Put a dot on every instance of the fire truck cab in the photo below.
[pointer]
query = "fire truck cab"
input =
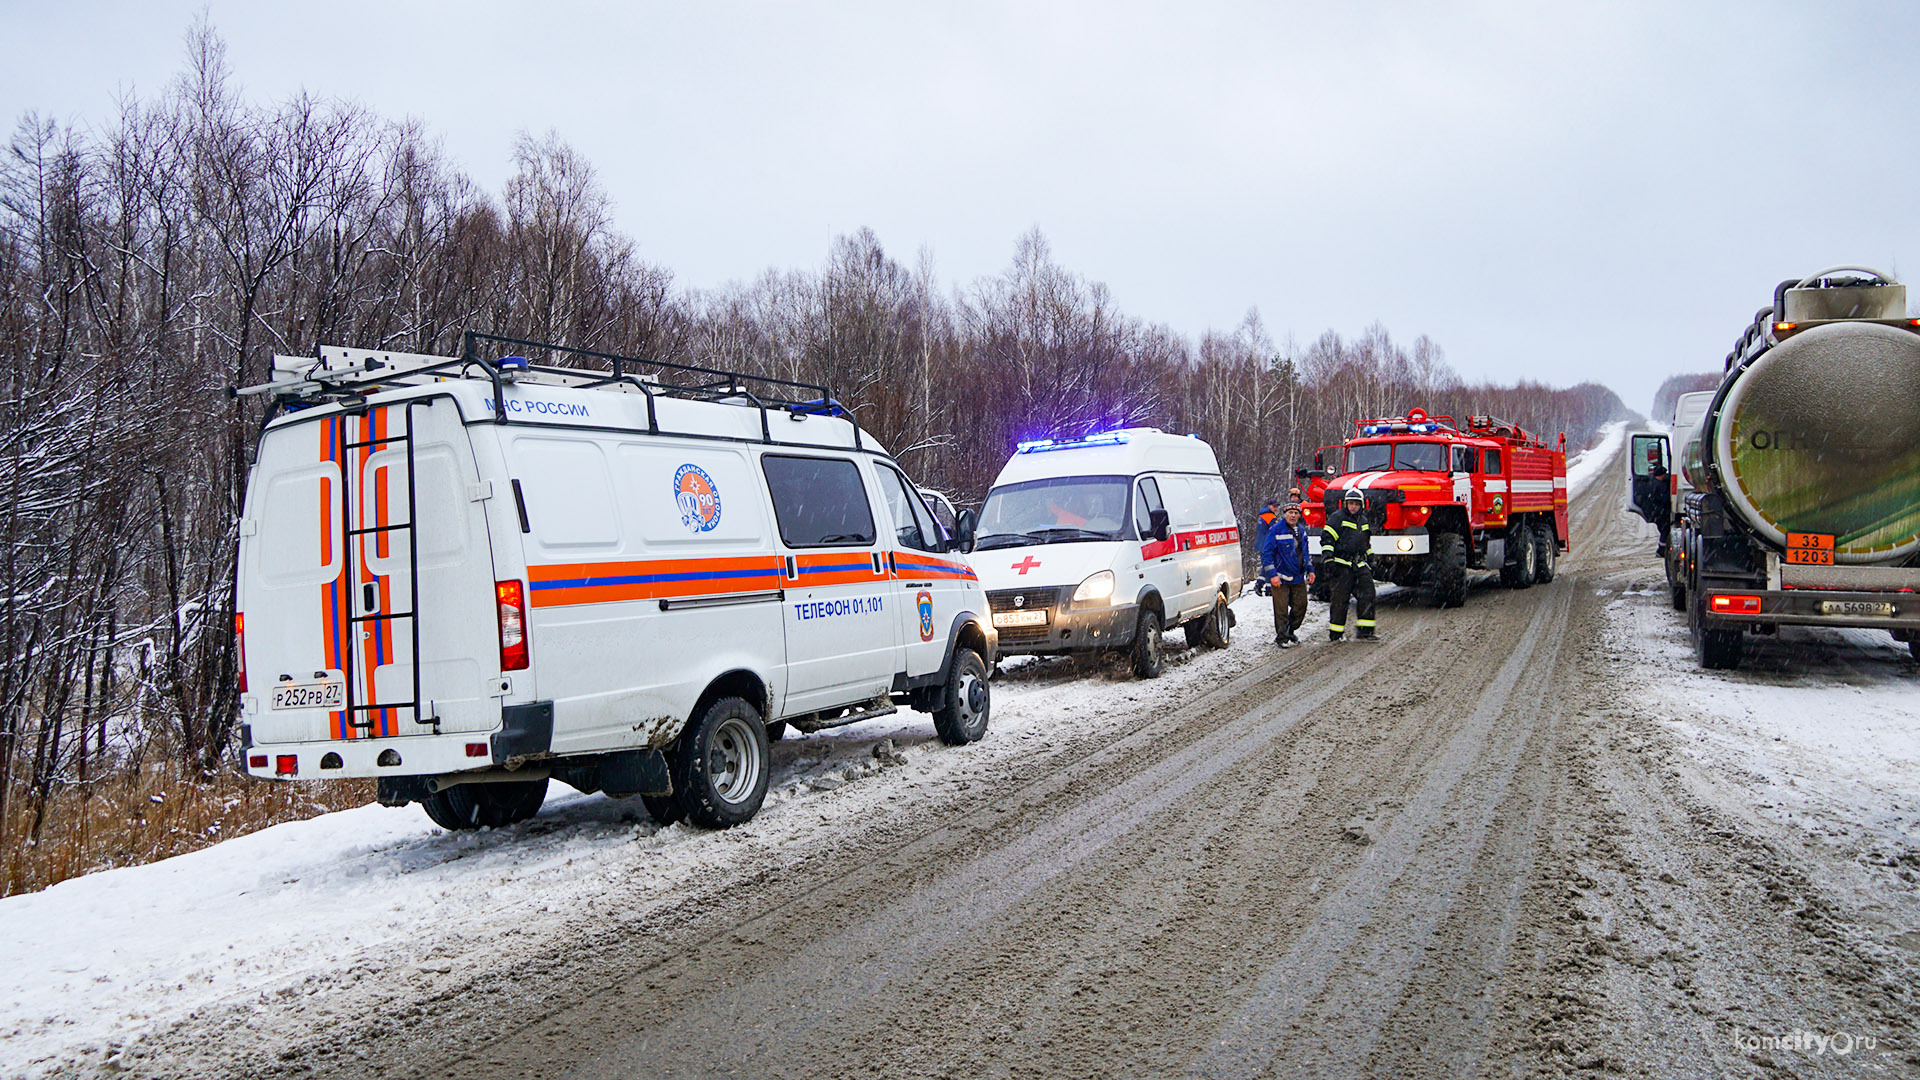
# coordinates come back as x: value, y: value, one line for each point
x: 1447, y: 500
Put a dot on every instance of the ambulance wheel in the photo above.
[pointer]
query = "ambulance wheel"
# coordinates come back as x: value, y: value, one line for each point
x: 1148, y: 652
x: 721, y: 764
x: 965, y: 701
x: 1216, y: 630
x: 1545, y: 547
x: 1518, y: 571
x: 1447, y: 570
x: 490, y: 806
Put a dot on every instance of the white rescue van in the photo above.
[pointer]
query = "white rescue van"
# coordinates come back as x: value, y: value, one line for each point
x: 465, y: 577
x: 1105, y: 541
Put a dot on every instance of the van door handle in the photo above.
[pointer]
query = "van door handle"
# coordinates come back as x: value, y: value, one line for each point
x: 371, y: 594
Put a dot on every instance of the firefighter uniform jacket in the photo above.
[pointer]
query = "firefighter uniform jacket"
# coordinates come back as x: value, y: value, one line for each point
x: 1346, y: 539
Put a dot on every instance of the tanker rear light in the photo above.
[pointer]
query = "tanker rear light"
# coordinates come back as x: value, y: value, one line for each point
x: 1722, y: 604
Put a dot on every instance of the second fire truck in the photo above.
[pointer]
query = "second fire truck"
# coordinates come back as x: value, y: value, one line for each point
x: 1490, y: 496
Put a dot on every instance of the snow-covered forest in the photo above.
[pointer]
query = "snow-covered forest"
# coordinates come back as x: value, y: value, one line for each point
x: 154, y: 258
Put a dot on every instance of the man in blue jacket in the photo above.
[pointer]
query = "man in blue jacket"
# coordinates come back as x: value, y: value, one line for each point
x: 1285, y: 565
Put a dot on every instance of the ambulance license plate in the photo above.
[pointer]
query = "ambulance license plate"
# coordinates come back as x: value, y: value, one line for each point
x: 1855, y: 607
x: 1020, y: 618
x: 331, y: 694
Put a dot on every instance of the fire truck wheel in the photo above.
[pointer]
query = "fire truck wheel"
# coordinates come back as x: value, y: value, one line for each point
x: 1545, y: 547
x: 1446, y: 570
x: 492, y: 806
x: 1518, y: 571
x: 721, y: 764
x: 965, y: 702
x: 1147, y: 650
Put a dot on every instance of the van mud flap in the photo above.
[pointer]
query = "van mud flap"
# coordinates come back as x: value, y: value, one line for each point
x: 525, y: 731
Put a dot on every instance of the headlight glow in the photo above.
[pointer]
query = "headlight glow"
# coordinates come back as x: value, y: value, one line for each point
x: 1097, y: 587
x: 1405, y: 543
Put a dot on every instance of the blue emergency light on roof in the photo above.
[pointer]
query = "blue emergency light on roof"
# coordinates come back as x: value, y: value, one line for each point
x: 512, y: 363
x: 1038, y: 446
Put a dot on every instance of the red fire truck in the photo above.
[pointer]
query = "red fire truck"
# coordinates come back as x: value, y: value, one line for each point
x: 1447, y: 500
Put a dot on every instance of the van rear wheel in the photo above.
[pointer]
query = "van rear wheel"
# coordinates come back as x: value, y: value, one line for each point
x: 721, y: 765
x: 966, y: 701
x: 490, y: 806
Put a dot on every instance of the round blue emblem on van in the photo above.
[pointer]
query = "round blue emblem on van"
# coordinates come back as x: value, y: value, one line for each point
x: 925, y: 602
x: 698, y: 497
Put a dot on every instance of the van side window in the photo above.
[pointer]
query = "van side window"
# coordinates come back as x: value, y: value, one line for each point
x: 1463, y: 458
x: 818, y: 502
x: 913, y: 524
x: 1493, y: 463
x: 1146, y: 499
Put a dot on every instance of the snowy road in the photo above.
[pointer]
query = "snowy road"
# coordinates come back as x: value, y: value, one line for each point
x: 1515, y: 838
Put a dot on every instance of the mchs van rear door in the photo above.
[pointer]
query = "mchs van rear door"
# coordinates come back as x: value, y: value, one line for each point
x: 366, y: 579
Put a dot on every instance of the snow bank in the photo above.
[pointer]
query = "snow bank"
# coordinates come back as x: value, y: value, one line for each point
x: 99, y: 959
x: 1587, y: 464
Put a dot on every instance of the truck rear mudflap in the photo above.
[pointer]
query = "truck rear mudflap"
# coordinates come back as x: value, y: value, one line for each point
x: 1813, y: 607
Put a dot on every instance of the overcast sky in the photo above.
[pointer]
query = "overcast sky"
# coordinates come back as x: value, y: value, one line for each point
x: 1553, y: 191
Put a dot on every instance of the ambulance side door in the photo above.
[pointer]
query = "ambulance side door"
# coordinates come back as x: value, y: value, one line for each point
x: 1159, y: 558
x: 843, y: 640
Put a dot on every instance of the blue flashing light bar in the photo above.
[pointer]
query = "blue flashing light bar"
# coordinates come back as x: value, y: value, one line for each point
x: 1040, y: 446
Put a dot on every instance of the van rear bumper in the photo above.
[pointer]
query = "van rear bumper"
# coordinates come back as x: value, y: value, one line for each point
x: 410, y: 755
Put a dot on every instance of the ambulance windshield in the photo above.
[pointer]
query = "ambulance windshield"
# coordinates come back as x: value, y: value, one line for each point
x: 1055, y: 510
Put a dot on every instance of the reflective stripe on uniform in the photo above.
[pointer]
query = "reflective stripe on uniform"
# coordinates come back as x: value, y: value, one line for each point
x: 1338, y: 629
x: 1364, y: 624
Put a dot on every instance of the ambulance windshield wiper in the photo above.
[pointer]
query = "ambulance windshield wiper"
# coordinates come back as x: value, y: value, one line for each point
x: 1048, y: 536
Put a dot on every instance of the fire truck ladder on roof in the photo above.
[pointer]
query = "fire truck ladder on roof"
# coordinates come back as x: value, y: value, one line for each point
x: 360, y: 715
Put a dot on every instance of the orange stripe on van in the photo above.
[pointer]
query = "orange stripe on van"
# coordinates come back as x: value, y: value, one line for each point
x: 562, y: 584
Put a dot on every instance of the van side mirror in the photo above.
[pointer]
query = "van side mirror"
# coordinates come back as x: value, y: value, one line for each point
x: 1303, y: 473
x: 963, y: 531
x: 1160, y: 524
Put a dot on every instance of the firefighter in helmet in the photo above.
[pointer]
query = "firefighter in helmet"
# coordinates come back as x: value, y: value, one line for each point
x: 1344, y: 544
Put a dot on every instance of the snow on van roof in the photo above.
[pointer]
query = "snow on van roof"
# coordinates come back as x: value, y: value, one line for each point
x: 1126, y: 451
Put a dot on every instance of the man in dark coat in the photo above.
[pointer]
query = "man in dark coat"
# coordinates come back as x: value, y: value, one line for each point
x: 1344, y: 545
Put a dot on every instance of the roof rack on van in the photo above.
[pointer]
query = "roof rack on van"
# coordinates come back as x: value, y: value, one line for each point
x: 344, y: 375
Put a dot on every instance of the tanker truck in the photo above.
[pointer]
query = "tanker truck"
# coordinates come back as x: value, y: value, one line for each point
x: 1805, y: 472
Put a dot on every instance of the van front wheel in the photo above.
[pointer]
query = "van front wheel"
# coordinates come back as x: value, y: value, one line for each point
x: 965, y: 702
x: 721, y: 765
x: 1148, y: 653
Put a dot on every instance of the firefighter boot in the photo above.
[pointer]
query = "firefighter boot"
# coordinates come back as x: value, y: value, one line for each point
x: 1366, y: 633
x: 1336, y: 635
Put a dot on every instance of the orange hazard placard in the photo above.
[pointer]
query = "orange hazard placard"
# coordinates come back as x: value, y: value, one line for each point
x: 1809, y: 557
x: 1812, y: 541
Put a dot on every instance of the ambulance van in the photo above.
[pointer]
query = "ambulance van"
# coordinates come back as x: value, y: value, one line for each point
x: 465, y: 577
x: 1102, y: 542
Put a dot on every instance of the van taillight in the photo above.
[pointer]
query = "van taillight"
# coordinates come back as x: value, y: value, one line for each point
x: 513, y: 625
x: 240, y: 646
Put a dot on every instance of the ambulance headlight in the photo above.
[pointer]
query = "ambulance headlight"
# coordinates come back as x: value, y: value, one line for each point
x: 1405, y: 543
x: 1096, y: 588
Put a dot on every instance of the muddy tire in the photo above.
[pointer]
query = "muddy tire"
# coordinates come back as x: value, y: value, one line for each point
x: 1545, y: 549
x: 664, y: 809
x: 1679, y: 597
x: 490, y: 806
x: 1148, y: 653
x: 722, y: 764
x: 966, y: 701
x: 1716, y: 648
x: 1445, y: 574
x: 1213, y: 630
x: 776, y: 731
x: 1521, y: 558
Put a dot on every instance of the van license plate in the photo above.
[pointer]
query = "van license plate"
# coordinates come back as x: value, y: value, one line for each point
x: 1855, y: 607
x: 331, y: 694
x: 1020, y: 618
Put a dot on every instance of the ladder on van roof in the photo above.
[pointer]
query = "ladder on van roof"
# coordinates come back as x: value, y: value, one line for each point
x: 363, y: 716
x: 341, y: 375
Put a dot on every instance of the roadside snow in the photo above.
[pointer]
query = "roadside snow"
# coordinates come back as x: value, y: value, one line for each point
x: 94, y: 962
x: 1587, y: 464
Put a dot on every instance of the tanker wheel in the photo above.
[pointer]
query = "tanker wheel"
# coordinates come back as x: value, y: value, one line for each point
x: 1545, y: 547
x: 1716, y: 648
x: 1446, y: 570
x: 1913, y: 647
x: 1521, y: 558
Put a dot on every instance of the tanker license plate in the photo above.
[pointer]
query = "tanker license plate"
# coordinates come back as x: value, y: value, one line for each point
x: 1855, y: 607
x: 331, y: 694
x: 1020, y: 618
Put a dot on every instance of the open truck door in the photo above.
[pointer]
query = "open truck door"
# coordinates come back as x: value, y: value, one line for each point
x: 1650, y: 464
